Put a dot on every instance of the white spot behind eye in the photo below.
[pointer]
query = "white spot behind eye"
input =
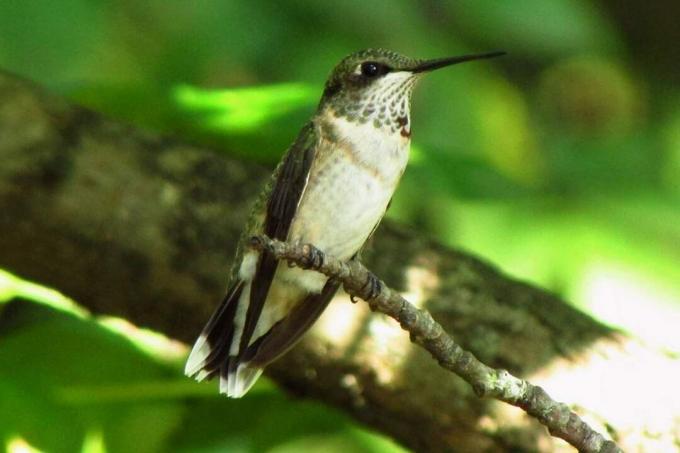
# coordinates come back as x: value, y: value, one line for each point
x: 357, y: 70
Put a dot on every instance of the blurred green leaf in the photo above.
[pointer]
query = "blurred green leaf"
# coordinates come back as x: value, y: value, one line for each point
x: 70, y: 382
x: 242, y: 109
x: 535, y: 26
x: 43, y: 350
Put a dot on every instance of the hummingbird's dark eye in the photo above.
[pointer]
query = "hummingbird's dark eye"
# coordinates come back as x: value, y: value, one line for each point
x: 373, y: 69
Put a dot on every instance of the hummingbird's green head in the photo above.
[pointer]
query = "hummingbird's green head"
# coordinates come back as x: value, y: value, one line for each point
x: 376, y: 85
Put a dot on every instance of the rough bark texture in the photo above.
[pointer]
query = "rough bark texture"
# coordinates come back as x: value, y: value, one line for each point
x: 135, y: 225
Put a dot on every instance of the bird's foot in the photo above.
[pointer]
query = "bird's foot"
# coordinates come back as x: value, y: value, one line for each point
x: 371, y: 288
x: 313, y: 258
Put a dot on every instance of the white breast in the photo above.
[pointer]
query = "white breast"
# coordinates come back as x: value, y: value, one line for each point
x: 379, y: 148
x: 349, y: 188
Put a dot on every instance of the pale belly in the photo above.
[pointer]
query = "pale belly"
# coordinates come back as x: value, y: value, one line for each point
x: 340, y: 208
x: 344, y: 201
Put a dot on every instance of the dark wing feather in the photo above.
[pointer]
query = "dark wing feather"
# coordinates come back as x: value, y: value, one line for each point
x: 281, y: 207
x: 219, y: 331
x: 284, y: 334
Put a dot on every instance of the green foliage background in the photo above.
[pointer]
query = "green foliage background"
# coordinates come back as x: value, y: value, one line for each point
x: 560, y: 163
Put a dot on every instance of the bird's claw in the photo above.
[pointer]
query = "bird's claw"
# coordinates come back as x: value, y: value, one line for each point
x: 372, y: 287
x: 313, y: 259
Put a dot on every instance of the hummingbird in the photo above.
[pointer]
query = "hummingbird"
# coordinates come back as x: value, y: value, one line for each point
x: 331, y: 189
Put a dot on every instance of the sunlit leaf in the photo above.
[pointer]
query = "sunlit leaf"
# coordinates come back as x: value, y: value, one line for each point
x: 94, y: 442
x: 12, y: 286
x: 243, y: 109
x: 155, y: 345
x: 18, y: 445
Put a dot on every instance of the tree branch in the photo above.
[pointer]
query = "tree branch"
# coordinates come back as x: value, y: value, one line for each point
x: 132, y: 224
x: 426, y: 332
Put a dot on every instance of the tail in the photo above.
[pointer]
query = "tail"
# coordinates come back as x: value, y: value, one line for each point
x: 213, y: 354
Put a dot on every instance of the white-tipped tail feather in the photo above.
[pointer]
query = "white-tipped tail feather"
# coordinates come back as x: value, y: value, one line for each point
x: 239, y: 381
x: 197, y: 357
x: 216, y: 351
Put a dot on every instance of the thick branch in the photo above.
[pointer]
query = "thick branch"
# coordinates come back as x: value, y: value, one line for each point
x: 426, y: 332
x: 135, y: 225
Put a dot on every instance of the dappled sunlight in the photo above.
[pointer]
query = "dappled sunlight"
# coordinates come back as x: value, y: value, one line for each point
x: 341, y: 322
x: 611, y: 258
x: 12, y: 286
x: 609, y: 387
x: 19, y: 445
x: 94, y: 442
x: 507, y: 418
x: 375, y: 337
x: 626, y: 299
x: 389, y: 348
x: 421, y: 282
x: 623, y: 382
x: 153, y: 344
x: 243, y: 109
x: 390, y: 340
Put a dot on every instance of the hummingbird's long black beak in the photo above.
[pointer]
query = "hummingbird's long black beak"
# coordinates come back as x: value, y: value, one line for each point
x: 431, y: 65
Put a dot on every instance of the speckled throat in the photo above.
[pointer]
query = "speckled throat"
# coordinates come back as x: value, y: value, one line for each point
x: 386, y: 104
